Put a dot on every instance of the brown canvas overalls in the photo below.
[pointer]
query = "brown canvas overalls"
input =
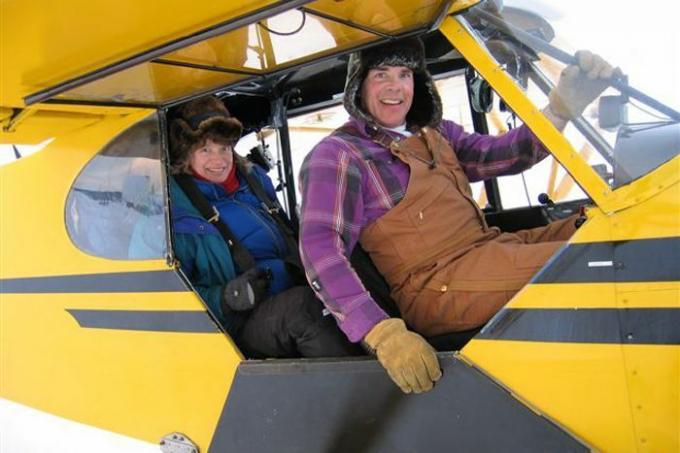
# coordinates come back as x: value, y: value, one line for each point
x: 447, y: 269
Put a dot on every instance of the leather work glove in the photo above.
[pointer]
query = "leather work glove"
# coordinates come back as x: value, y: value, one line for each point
x: 246, y: 290
x: 409, y: 360
x: 580, y: 84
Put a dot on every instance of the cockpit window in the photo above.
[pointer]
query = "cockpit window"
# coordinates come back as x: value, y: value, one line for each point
x: 629, y: 130
x: 115, y: 207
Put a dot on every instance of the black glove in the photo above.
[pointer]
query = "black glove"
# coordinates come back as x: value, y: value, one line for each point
x: 246, y: 290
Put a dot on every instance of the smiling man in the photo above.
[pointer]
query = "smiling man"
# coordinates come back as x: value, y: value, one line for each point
x: 395, y: 178
x: 387, y: 94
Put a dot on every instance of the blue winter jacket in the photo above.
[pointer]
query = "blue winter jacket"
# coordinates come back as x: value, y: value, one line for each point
x: 203, y: 254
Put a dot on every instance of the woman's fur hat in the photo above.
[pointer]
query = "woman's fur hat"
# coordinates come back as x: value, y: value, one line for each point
x: 199, y: 120
x: 427, y: 105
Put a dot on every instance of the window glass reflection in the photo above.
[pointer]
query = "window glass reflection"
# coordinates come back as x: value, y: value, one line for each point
x: 115, y: 207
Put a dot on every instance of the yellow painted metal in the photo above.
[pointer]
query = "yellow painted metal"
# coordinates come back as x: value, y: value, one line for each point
x: 43, y: 43
x: 5, y: 115
x: 49, y: 45
x: 567, y: 182
x: 264, y: 47
x: 44, y: 125
x: 461, y: 5
x: 653, y: 378
x: 385, y: 16
x: 654, y: 182
x: 655, y: 217
x: 599, y: 295
x: 256, y: 50
x: 550, y: 190
x: 553, y: 295
x: 50, y: 120
x: 586, y: 388
x: 619, y: 398
x: 232, y: 51
x: 512, y: 94
x: 141, y: 384
x: 17, y: 118
x: 34, y: 189
x: 87, y: 109
x: 151, y: 83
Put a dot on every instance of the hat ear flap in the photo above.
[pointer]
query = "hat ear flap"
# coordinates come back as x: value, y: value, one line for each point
x: 426, y: 109
x: 181, y: 140
x: 356, y: 73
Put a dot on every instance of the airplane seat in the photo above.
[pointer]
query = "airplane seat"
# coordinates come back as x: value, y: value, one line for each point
x: 453, y: 341
x: 379, y: 289
x: 373, y: 281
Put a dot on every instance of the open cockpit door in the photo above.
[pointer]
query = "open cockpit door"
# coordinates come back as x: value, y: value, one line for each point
x: 152, y: 54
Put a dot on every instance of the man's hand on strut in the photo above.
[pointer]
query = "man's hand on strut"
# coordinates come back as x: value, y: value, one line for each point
x: 580, y: 84
x: 409, y: 360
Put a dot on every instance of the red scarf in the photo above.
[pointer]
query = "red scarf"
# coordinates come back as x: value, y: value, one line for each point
x: 230, y: 184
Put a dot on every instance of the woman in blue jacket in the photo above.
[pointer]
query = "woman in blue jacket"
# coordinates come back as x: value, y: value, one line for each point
x: 263, y: 308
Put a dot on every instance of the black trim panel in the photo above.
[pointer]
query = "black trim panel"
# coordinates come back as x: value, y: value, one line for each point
x: 123, y: 282
x: 642, y: 260
x: 586, y: 325
x: 155, y: 321
x: 182, y: 64
x: 352, y: 405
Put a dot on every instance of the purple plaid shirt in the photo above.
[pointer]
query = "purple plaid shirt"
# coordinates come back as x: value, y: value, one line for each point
x: 344, y: 191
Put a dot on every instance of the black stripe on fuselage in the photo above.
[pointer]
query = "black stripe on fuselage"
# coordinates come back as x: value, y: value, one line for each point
x: 155, y: 321
x: 121, y: 282
x: 654, y: 326
x: 641, y: 260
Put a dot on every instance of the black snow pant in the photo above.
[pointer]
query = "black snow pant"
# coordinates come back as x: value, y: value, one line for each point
x: 292, y: 324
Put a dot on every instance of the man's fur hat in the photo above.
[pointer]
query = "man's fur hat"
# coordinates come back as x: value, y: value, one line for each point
x: 199, y: 120
x: 427, y: 105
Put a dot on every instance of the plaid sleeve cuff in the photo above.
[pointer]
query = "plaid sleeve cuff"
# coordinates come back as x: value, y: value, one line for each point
x: 361, y: 320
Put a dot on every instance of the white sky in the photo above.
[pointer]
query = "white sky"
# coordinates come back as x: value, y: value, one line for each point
x: 641, y: 38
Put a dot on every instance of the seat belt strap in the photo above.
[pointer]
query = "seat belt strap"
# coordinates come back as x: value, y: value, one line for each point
x: 241, y: 256
x: 274, y: 211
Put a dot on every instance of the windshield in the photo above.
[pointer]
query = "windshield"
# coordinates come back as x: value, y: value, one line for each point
x: 629, y: 130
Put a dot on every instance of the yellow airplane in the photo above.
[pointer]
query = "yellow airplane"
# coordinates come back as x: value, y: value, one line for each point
x: 104, y: 345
